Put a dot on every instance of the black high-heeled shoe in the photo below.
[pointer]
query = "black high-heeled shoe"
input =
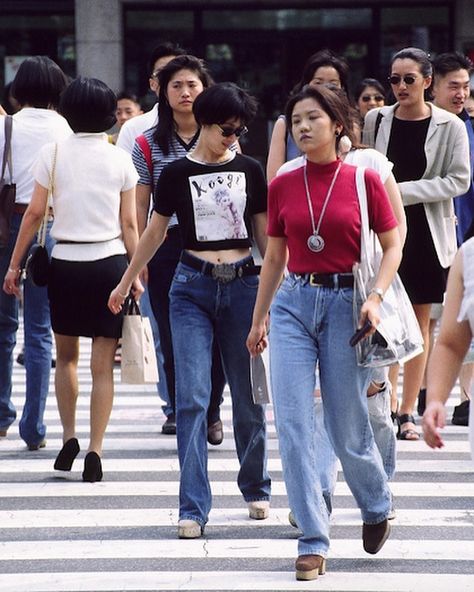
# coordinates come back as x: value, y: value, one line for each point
x: 92, y: 468
x: 67, y: 455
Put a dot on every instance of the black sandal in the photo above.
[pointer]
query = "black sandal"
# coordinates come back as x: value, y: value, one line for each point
x: 402, y: 435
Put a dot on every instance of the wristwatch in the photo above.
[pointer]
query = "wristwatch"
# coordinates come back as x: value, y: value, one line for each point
x: 377, y: 291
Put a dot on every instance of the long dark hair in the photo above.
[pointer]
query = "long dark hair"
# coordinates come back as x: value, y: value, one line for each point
x: 323, y: 58
x: 165, y: 128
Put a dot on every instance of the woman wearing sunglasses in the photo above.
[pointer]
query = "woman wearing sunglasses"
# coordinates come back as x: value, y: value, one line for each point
x: 368, y: 95
x: 174, y: 136
x: 220, y: 199
x: 430, y: 153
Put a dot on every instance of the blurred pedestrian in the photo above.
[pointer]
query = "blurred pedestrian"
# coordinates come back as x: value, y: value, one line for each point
x: 95, y: 230
x: 430, y: 152
x: 128, y: 107
x: 37, y: 87
x: 323, y: 67
x: 454, y: 339
x: 368, y: 95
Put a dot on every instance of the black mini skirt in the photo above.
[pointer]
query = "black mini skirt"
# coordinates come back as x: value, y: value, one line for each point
x: 78, y: 294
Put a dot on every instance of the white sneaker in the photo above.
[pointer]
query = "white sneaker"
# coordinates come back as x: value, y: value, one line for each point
x: 189, y: 529
x: 258, y: 510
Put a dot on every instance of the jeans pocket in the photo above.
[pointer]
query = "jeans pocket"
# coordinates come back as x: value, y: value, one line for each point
x: 347, y: 294
x: 250, y: 281
x: 185, y: 275
x: 289, y: 284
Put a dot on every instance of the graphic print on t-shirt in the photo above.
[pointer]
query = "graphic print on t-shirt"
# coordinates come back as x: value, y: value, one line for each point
x: 219, y: 201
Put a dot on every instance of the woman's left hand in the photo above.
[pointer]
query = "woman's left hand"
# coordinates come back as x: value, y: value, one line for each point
x: 11, y: 283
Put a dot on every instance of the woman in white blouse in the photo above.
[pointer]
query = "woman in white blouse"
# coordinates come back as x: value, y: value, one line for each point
x: 95, y: 229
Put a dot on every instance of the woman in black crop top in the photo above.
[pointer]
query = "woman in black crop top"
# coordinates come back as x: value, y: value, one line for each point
x: 220, y: 200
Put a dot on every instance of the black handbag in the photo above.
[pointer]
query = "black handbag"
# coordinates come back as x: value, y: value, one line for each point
x: 37, y: 262
x: 7, y: 190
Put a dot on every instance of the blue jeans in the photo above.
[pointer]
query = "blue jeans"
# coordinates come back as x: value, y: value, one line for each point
x: 310, y: 325
x: 204, y: 310
x: 161, y: 270
x: 38, y: 345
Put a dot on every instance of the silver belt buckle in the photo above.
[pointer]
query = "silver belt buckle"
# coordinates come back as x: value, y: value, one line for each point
x: 224, y: 272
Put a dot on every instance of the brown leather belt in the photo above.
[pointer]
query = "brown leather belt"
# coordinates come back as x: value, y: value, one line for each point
x: 20, y: 208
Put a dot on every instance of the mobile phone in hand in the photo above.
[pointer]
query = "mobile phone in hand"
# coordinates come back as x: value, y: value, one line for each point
x: 360, y: 333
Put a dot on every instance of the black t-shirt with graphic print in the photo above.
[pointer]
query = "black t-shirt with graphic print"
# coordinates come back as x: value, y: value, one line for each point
x: 213, y: 202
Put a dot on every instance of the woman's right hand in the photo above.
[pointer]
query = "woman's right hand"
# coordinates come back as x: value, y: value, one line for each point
x: 11, y: 283
x: 434, y: 419
x: 117, y: 298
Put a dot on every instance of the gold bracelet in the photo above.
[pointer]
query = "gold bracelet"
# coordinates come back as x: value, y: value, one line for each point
x: 122, y: 295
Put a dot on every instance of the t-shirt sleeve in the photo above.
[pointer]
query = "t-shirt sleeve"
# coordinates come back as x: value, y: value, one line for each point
x: 258, y: 190
x: 164, y: 192
x: 274, y: 225
x: 381, y: 216
x: 42, y: 167
x: 130, y: 173
x: 139, y: 160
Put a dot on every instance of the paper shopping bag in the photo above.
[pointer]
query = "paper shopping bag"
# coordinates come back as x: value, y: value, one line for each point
x: 138, y: 364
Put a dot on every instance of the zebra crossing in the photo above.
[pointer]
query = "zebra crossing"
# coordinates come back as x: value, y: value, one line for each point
x: 60, y: 534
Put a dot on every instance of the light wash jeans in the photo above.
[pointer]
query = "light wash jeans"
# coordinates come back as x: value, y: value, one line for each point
x: 204, y: 310
x: 38, y: 347
x: 310, y: 325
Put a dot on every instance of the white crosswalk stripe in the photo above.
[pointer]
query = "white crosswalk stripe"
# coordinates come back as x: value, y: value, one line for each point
x: 60, y: 534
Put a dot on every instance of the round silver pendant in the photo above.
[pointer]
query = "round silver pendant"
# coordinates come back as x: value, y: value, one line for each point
x: 315, y: 243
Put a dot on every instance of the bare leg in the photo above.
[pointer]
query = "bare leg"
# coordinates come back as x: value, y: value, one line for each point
x: 414, y: 370
x: 102, y: 395
x: 465, y: 380
x: 433, y: 323
x: 65, y: 381
x: 393, y: 372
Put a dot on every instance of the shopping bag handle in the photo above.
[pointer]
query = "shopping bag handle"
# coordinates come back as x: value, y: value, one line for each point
x: 131, y: 306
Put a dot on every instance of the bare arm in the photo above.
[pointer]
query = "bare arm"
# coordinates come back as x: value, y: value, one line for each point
x: 143, y: 194
x: 277, y: 150
x: 270, y: 277
x: 447, y: 356
x: 397, y: 206
x: 148, y: 244
x: 259, y: 223
x: 29, y: 227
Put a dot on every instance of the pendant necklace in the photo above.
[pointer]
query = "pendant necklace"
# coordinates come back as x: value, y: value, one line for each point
x: 316, y: 242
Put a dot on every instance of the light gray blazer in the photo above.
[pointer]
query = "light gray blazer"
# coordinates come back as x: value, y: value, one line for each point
x: 447, y: 173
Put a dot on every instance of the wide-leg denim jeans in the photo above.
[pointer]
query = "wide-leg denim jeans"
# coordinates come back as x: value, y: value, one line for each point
x: 203, y: 310
x: 38, y: 346
x: 311, y: 324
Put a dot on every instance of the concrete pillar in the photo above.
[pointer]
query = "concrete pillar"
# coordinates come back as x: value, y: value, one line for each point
x: 99, y: 40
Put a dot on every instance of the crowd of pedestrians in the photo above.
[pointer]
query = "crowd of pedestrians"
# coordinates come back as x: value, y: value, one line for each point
x: 170, y: 215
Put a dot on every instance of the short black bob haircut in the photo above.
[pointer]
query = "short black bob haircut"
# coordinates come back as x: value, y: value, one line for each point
x: 88, y: 105
x: 224, y: 101
x: 39, y: 83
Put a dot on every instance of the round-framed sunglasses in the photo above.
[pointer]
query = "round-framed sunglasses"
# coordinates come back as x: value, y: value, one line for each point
x: 227, y: 130
x: 367, y: 98
x: 396, y: 79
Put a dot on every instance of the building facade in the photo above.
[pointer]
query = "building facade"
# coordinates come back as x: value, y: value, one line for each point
x: 259, y: 44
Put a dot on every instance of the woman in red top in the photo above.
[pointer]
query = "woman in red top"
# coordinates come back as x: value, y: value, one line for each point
x: 313, y: 213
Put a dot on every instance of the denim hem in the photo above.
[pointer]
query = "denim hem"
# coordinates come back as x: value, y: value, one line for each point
x: 202, y: 523
x: 311, y: 551
x: 384, y: 517
x: 265, y: 498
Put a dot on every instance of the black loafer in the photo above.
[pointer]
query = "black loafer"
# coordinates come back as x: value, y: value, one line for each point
x: 215, y: 433
x: 169, y: 427
x: 375, y: 535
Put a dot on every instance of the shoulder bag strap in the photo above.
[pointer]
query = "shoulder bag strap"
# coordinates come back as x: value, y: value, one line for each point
x: 44, y: 225
x: 365, y: 257
x: 7, y: 150
x: 146, y: 149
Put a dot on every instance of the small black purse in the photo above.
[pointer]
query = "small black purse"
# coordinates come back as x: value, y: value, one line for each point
x: 37, y: 265
x: 37, y: 262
